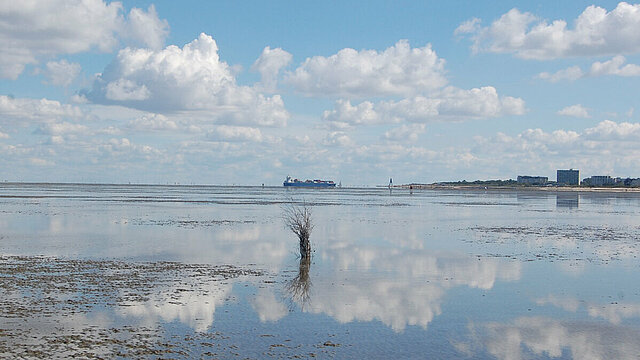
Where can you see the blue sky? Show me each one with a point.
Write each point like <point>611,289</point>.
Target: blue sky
<point>249,92</point>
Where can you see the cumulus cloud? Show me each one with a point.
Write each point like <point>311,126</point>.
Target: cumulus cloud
<point>123,151</point>
<point>235,134</point>
<point>347,114</point>
<point>269,64</point>
<point>450,104</point>
<point>60,132</point>
<point>191,78</point>
<point>609,130</point>
<point>616,66</point>
<point>31,30</point>
<point>405,133</point>
<point>607,148</point>
<point>146,28</point>
<point>21,109</point>
<point>338,138</point>
<point>575,111</point>
<point>398,70</point>
<point>415,74</point>
<point>62,128</point>
<point>154,122</point>
<point>571,73</point>
<point>61,73</point>
<point>40,162</point>
<point>595,32</point>
<point>124,89</point>
<point>3,135</point>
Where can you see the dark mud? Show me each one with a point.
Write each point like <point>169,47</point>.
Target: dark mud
<point>50,306</point>
<point>600,244</point>
<point>188,223</point>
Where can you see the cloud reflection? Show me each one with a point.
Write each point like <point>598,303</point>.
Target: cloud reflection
<point>268,307</point>
<point>195,309</point>
<point>544,337</point>
<point>613,312</point>
<point>398,287</point>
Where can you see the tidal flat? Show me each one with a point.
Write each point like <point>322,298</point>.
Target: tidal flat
<point>136,271</point>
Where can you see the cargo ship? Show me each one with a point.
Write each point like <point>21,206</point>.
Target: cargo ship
<point>309,183</point>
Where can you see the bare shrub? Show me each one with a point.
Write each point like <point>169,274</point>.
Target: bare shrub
<point>298,219</point>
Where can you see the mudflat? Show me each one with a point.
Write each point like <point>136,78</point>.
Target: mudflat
<point>130,271</point>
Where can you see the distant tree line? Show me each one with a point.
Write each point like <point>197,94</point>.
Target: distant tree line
<point>509,182</point>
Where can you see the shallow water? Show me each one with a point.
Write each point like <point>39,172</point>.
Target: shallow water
<point>191,271</point>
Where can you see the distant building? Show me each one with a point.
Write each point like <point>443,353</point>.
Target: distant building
<point>568,177</point>
<point>599,181</point>
<point>532,180</point>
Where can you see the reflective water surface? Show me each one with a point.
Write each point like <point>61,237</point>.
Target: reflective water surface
<point>199,271</point>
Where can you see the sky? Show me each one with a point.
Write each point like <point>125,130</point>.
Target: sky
<point>248,92</point>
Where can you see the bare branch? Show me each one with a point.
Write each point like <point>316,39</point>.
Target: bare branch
<point>297,218</point>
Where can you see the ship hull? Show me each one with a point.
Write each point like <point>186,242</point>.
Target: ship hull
<point>311,185</point>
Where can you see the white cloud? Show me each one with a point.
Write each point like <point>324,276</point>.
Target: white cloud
<point>398,70</point>
<point>347,114</point>
<point>146,28</point>
<point>18,110</point>
<point>40,162</point>
<point>31,30</point>
<point>468,27</point>
<point>79,99</point>
<point>607,148</point>
<point>124,89</point>
<point>609,130</point>
<point>556,137</point>
<point>62,128</point>
<point>571,73</point>
<point>59,132</point>
<point>269,64</point>
<point>450,104</point>
<point>121,152</point>
<point>338,138</point>
<point>235,133</point>
<point>61,73</point>
<point>3,135</point>
<point>155,122</point>
<point>575,111</point>
<point>616,66</point>
<point>595,32</point>
<point>191,78</point>
<point>405,133</point>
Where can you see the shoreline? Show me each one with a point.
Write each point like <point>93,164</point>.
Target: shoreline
<point>518,188</point>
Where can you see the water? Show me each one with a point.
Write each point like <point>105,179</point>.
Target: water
<point>198,271</point>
